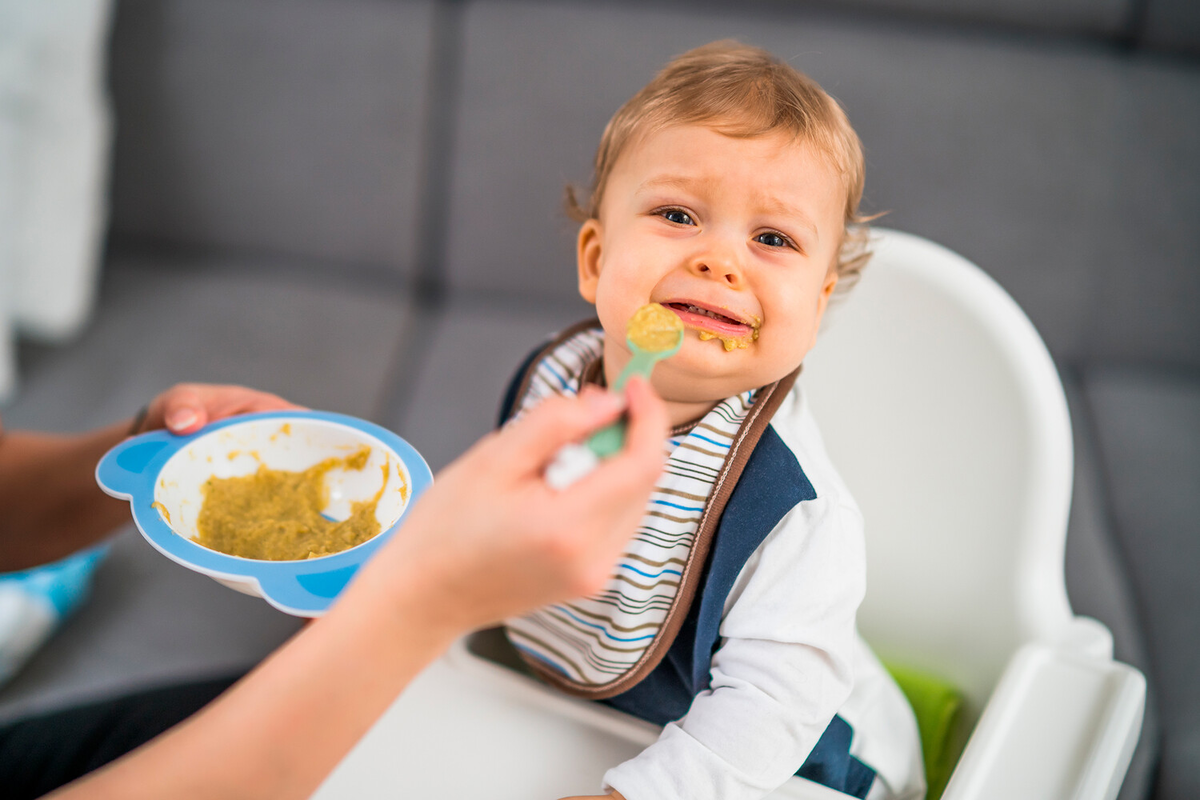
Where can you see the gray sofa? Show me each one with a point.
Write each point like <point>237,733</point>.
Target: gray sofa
<point>355,204</point>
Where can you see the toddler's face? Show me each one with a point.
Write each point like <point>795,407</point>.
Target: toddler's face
<point>737,236</point>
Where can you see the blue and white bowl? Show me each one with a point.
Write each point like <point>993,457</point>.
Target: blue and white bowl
<point>161,476</point>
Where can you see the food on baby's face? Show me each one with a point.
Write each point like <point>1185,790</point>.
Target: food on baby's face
<point>731,342</point>
<point>735,331</point>
<point>275,515</point>
<point>654,328</point>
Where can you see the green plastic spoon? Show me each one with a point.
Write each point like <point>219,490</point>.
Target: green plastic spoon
<point>654,333</point>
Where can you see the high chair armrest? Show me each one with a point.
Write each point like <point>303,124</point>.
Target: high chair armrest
<point>1061,724</point>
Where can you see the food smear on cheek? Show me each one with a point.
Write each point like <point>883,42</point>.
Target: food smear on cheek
<point>275,515</point>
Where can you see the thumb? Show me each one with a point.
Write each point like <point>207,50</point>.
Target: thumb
<point>183,411</point>
<point>531,441</point>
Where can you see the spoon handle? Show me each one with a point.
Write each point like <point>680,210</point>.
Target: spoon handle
<point>642,363</point>
<point>611,438</point>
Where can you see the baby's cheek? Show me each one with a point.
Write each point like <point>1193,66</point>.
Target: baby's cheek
<point>780,354</point>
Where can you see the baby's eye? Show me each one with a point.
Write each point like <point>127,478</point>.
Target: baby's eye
<point>677,215</point>
<point>772,239</point>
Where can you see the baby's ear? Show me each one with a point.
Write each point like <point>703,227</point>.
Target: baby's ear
<point>831,282</point>
<point>587,257</point>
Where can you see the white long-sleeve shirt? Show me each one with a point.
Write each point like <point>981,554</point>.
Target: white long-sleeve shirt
<point>789,659</point>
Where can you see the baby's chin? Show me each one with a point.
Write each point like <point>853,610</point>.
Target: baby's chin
<point>679,384</point>
<point>717,372</point>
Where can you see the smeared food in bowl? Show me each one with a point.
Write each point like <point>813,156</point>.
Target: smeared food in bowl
<point>282,492</point>
<point>275,514</point>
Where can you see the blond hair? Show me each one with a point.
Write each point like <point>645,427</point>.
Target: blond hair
<point>740,91</point>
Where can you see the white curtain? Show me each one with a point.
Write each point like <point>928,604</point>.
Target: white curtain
<point>55,131</point>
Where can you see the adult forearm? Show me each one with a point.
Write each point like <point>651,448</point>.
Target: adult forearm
<point>283,728</point>
<point>51,505</point>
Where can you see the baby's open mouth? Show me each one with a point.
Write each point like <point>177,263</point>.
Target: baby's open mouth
<point>699,317</point>
<point>733,332</point>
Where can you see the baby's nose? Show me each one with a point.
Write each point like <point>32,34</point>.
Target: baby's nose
<point>719,266</point>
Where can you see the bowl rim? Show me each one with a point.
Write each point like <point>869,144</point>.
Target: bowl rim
<point>130,471</point>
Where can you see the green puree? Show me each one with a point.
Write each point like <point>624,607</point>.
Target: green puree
<point>275,515</point>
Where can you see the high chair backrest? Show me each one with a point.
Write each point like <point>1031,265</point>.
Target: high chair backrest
<point>943,411</point>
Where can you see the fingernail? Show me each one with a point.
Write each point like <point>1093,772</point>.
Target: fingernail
<point>181,418</point>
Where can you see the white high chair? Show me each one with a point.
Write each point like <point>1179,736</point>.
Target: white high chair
<point>943,411</point>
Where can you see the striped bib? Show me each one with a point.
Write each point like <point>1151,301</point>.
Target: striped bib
<point>602,645</point>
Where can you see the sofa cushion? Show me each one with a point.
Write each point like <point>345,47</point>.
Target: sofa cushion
<point>325,343</point>
<point>1148,429</point>
<point>468,358</point>
<point>1172,25</point>
<point>321,343</point>
<point>1098,583</point>
<point>1148,290</point>
<point>1081,17</point>
<point>272,126</point>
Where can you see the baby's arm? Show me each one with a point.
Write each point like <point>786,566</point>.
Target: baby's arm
<point>781,673</point>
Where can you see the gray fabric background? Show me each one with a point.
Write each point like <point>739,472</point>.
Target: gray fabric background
<point>285,126</point>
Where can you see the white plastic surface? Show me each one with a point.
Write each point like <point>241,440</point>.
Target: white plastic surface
<point>1060,726</point>
<point>454,736</point>
<point>942,410</point>
<point>469,728</point>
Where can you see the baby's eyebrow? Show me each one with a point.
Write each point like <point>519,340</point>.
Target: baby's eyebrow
<point>773,206</point>
<point>673,182</point>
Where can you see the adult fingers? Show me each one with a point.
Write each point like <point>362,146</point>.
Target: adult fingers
<point>614,496</point>
<point>230,400</point>
<point>648,425</point>
<point>187,407</point>
<point>529,443</point>
<point>640,461</point>
<point>181,410</point>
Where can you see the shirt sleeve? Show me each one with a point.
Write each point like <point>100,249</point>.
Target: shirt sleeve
<point>783,668</point>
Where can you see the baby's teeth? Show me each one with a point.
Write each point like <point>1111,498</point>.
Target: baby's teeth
<point>710,314</point>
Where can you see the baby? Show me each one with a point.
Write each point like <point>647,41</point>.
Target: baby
<point>726,190</point>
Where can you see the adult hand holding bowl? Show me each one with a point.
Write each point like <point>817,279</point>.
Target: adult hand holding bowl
<point>363,468</point>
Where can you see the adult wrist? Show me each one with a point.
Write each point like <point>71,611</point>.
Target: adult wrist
<point>405,599</point>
